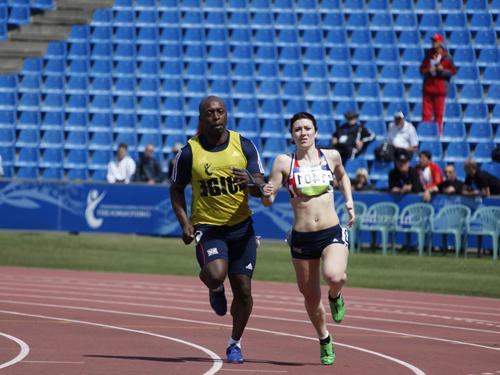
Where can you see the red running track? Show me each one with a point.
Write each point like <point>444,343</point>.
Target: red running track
<point>65,322</point>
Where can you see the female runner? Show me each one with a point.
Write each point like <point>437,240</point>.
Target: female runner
<point>316,234</point>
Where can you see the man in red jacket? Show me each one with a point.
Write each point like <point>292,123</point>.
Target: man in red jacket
<point>430,175</point>
<point>437,69</point>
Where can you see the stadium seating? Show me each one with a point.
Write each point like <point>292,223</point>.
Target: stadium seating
<point>141,68</point>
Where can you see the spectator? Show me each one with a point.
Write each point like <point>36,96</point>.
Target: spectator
<point>148,169</point>
<point>1,166</point>
<point>452,185</point>
<point>122,168</point>
<point>430,175</point>
<point>478,182</point>
<point>404,178</point>
<point>361,181</point>
<point>402,135</point>
<point>175,150</point>
<point>437,69</point>
<point>350,138</point>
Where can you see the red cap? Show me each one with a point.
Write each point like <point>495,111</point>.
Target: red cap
<point>437,38</point>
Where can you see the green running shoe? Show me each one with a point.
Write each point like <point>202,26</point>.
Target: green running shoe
<point>327,355</point>
<point>337,307</point>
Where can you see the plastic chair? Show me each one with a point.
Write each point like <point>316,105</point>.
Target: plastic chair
<point>415,218</point>
<point>453,132</point>
<point>427,131</point>
<point>451,220</point>
<point>483,151</point>
<point>381,217</point>
<point>359,210</point>
<point>480,132</point>
<point>457,151</point>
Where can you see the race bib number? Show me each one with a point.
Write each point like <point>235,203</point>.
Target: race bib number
<point>312,177</point>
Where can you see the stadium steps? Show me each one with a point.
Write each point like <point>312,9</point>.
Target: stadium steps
<point>54,25</point>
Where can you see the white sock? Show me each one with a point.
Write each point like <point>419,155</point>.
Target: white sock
<point>325,337</point>
<point>232,341</point>
<point>218,289</point>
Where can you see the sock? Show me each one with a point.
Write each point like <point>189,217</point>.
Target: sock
<point>232,341</point>
<point>333,298</point>
<point>220,288</point>
<point>325,340</point>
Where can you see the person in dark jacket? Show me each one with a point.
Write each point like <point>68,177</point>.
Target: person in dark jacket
<point>437,69</point>
<point>148,169</point>
<point>404,178</point>
<point>478,182</point>
<point>451,185</point>
<point>350,138</point>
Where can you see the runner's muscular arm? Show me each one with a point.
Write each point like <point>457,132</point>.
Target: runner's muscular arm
<point>344,183</point>
<point>178,201</point>
<point>278,171</point>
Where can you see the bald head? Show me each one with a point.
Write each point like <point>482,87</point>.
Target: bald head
<point>470,167</point>
<point>213,117</point>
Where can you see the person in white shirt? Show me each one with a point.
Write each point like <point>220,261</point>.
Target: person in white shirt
<point>122,168</point>
<point>402,135</point>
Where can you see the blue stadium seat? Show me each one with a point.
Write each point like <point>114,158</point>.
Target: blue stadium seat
<point>480,21</point>
<point>174,125</point>
<point>101,141</point>
<point>363,55</point>
<point>293,106</point>
<point>149,105</point>
<point>493,94</point>
<point>77,121</point>
<point>322,109</point>
<point>8,100</point>
<point>29,120</point>
<point>244,88</point>
<point>483,151</point>
<point>343,90</point>
<point>392,91</point>
<point>412,74</point>
<point>326,127</point>
<point>29,102</point>
<point>150,138</point>
<point>365,73</point>
<point>452,111</point>
<point>76,140</point>
<point>246,107</point>
<point>53,139</point>
<point>491,74</point>
<point>218,53</point>
<point>352,166</point>
<point>451,6</point>
<point>7,137</point>
<point>171,141</point>
<point>126,122</point>
<point>53,174</point>
<point>459,38</point>
<point>427,131</point>
<point>488,57</point>
<point>333,20</point>
<point>380,170</point>
<point>381,21</point>
<point>27,157</point>
<point>415,93</point>
<point>78,174</point>
<point>343,107</point>
<point>273,128</point>
<point>27,173</point>
<point>471,93</point>
<point>407,23</point>
<point>434,147</point>
<point>368,91</point>
<point>360,38</point>
<point>170,35</point>
<point>453,132</point>
<point>464,56</point>
<point>269,88</point>
<point>52,121</point>
<point>378,128</point>
<point>7,154</point>
<point>492,168</point>
<point>19,15</point>
<point>387,55</point>
<point>129,138</point>
<point>32,66</point>
<point>397,106</point>
<point>148,87</point>
<point>101,34</point>
<point>356,21</point>
<point>426,6</point>
<point>77,85</point>
<point>293,89</point>
<point>480,132</point>
<point>457,152</point>
<point>485,38</point>
<point>101,122</point>
<point>267,70</point>
<point>100,159</point>
<point>476,112</point>
<point>274,146</point>
<point>455,21</point>
<point>372,110</point>
<point>30,84</point>
<point>248,126</point>
<point>76,159</point>
<point>391,73</point>
<point>9,83</point>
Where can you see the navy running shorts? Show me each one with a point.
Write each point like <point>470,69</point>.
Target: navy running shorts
<point>310,245</point>
<point>236,244</point>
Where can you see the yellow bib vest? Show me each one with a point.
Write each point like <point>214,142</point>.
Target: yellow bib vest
<point>216,199</point>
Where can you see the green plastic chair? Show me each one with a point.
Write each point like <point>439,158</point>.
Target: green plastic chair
<point>359,210</point>
<point>485,222</point>
<point>381,217</point>
<point>415,218</point>
<point>451,219</point>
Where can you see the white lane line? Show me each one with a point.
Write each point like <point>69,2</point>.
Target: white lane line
<point>409,366</point>
<point>56,362</point>
<point>261,306</point>
<point>139,286</point>
<point>258,371</point>
<point>217,361</point>
<point>383,307</point>
<point>25,349</point>
<point>433,338</point>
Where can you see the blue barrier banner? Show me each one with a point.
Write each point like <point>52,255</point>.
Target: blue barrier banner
<point>146,209</point>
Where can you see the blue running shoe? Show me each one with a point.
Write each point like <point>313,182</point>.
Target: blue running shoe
<point>233,353</point>
<point>218,301</point>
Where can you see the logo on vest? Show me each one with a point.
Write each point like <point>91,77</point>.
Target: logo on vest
<point>207,167</point>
